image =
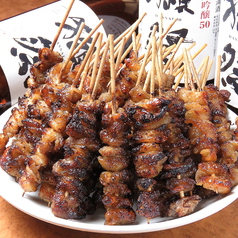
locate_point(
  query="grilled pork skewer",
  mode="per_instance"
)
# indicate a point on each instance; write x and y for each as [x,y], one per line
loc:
[115,158]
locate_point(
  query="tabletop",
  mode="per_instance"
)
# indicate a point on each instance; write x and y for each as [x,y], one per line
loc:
[14,223]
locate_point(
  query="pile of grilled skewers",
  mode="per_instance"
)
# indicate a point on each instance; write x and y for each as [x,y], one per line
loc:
[117,132]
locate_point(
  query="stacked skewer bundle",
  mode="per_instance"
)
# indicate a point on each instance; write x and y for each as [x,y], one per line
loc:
[117,130]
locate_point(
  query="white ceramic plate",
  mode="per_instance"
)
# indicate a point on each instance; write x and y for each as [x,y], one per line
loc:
[32,205]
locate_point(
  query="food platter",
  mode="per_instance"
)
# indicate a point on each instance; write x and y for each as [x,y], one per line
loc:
[32,205]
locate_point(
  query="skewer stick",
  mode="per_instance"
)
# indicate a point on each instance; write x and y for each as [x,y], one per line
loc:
[127,51]
[188,69]
[75,42]
[105,52]
[72,48]
[218,74]
[177,63]
[119,56]
[168,50]
[205,64]
[179,60]
[146,56]
[168,29]
[87,38]
[112,72]
[209,68]
[193,68]
[193,57]
[161,24]
[154,56]
[181,193]
[201,67]
[134,42]
[185,75]
[85,73]
[178,80]
[81,68]
[96,60]
[147,80]
[159,74]
[128,33]
[160,44]
[173,54]
[119,48]
[171,68]
[62,24]
[160,60]
[165,53]
[207,72]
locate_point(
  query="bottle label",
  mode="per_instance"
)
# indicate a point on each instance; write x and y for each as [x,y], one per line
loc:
[114,25]
[197,22]
[22,37]
[228,50]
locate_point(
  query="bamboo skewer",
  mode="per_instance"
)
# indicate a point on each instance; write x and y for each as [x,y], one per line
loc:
[161,36]
[159,73]
[128,33]
[99,73]
[168,50]
[134,42]
[160,45]
[181,193]
[71,49]
[112,73]
[119,56]
[201,66]
[206,73]
[87,38]
[147,80]
[218,74]
[62,24]
[85,73]
[173,54]
[153,67]
[146,56]
[188,70]
[178,80]
[127,51]
[193,57]
[74,43]
[202,78]
[179,60]
[191,75]
[194,71]
[96,60]
[81,68]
